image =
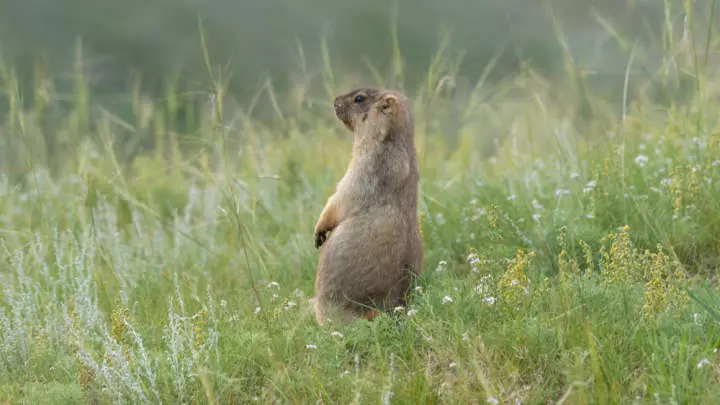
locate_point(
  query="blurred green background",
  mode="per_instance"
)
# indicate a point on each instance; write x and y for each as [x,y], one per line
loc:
[255,40]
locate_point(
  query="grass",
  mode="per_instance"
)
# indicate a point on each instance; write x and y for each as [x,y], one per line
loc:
[164,253]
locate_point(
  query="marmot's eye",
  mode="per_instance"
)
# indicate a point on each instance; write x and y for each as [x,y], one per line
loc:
[359,98]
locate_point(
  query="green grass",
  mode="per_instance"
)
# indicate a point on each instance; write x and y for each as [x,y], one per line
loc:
[164,252]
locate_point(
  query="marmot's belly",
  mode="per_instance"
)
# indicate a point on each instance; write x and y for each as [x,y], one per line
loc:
[362,258]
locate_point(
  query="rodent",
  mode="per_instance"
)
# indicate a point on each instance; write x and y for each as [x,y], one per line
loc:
[374,247]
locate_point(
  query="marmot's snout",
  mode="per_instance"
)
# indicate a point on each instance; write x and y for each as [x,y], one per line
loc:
[337,104]
[341,112]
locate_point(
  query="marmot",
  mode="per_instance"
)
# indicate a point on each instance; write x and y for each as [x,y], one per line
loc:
[374,246]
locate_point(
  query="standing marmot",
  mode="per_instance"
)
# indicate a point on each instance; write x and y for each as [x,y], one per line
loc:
[375,242]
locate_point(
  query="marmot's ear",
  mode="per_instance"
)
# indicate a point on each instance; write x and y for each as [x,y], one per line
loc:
[388,104]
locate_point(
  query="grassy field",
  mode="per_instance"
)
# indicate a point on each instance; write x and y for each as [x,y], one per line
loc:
[164,253]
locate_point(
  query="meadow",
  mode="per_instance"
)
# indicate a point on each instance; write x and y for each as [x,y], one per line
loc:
[164,253]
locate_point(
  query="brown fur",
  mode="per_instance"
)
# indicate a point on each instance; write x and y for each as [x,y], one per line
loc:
[374,244]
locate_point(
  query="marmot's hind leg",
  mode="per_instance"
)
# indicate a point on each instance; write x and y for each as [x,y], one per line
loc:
[328,311]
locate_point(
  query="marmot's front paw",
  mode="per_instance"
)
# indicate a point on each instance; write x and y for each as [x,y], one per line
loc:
[320,238]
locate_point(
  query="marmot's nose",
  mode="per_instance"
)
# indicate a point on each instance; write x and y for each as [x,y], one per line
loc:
[337,104]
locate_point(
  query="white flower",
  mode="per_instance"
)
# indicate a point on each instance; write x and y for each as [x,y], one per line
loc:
[641,160]
[493,400]
[666,181]
[536,217]
[703,362]
[289,305]
[273,284]
[452,365]
[537,205]
[716,163]
[412,312]
[310,346]
[590,186]
[574,175]
[337,334]
[399,309]
[511,197]
[257,310]
[473,259]
[441,265]
[561,192]
[223,303]
[489,300]
[447,299]
[419,289]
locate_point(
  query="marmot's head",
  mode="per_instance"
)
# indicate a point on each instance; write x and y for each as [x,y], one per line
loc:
[374,111]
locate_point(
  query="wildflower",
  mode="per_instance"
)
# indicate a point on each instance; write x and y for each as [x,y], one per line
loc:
[310,346]
[441,266]
[590,186]
[536,217]
[716,163]
[703,362]
[447,299]
[257,310]
[399,308]
[419,289]
[223,303]
[666,181]
[514,281]
[641,160]
[440,218]
[537,205]
[561,192]
[511,197]
[289,305]
[493,400]
[452,365]
[412,312]
[337,334]
[574,175]
[273,284]
[490,300]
